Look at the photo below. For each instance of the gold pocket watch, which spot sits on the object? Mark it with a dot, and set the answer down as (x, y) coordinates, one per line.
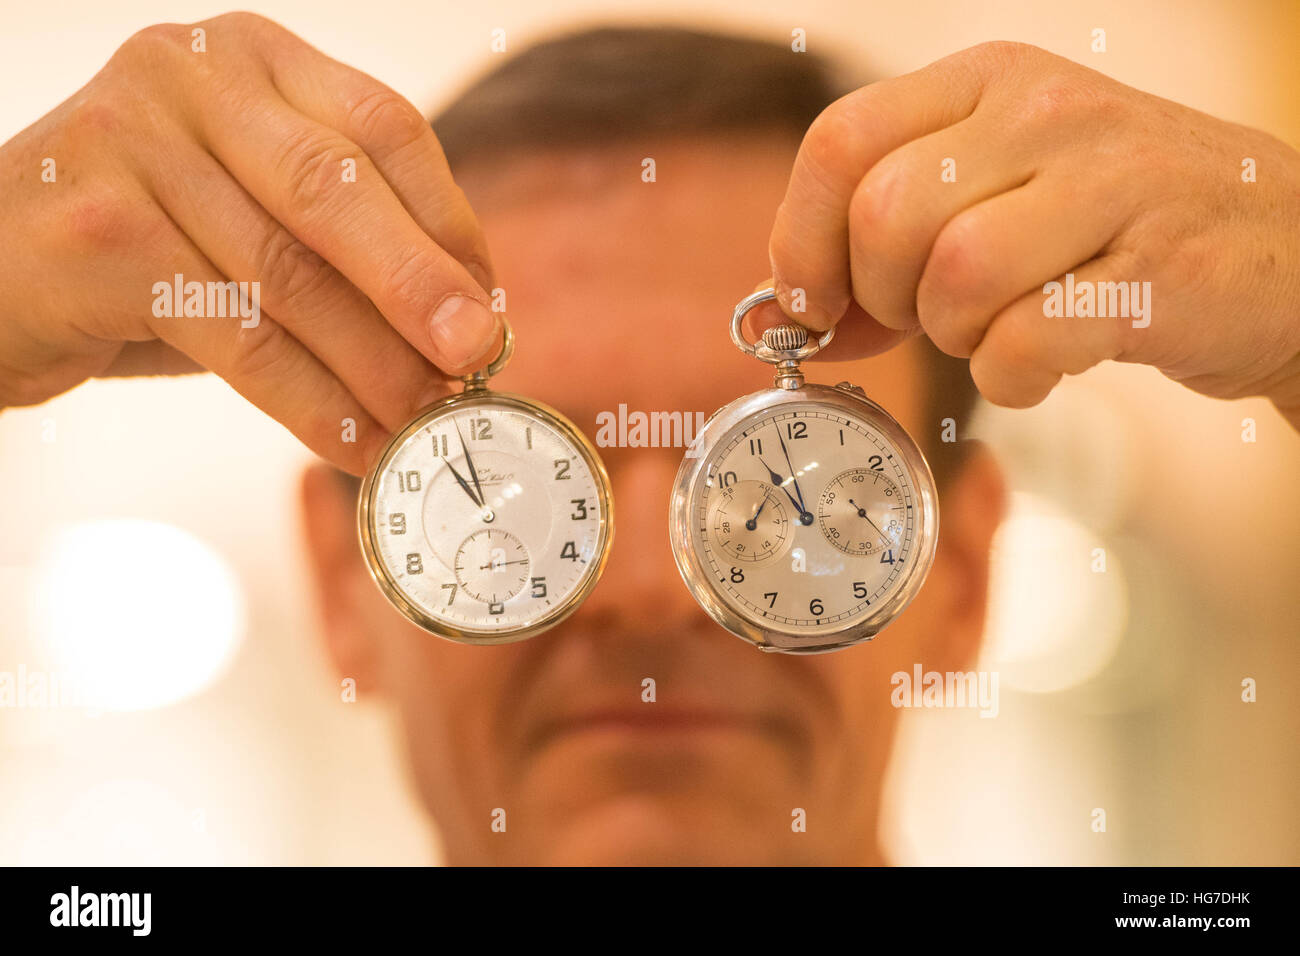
(805, 518)
(489, 517)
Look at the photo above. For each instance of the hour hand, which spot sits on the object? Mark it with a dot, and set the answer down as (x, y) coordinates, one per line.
(460, 480)
(473, 472)
(805, 516)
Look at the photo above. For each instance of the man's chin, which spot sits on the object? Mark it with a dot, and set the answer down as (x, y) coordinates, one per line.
(653, 830)
(652, 799)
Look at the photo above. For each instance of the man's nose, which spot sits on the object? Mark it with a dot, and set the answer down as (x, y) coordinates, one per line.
(641, 579)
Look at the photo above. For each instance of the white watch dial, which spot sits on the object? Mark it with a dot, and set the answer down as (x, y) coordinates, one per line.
(486, 518)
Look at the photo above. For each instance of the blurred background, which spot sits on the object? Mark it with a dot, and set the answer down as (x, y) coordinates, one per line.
(137, 511)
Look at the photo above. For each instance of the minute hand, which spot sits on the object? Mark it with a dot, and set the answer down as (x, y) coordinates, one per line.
(793, 476)
(473, 472)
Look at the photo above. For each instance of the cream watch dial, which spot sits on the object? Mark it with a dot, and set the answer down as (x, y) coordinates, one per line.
(809, 521)
(852, 531)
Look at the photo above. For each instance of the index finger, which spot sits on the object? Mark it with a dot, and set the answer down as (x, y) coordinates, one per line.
(395, 136)
(809, 247)
(297, 169)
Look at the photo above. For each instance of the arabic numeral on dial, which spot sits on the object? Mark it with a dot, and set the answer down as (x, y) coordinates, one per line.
(496, 607)
(408, 481)
(439, 446)
(771, 598)
(452, 596)
(876, 462)
(815, 607)
(414, 564)
(737, 576)
(887, 557)
(796, 430)
(397, 523)
(728, 478)
(539, 587)
(756, 446)
(570, 551)
(562, 469)
(579, 508)
(859, 589)
(480, 429)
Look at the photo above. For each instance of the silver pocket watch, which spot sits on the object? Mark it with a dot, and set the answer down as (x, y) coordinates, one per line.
(805, 518)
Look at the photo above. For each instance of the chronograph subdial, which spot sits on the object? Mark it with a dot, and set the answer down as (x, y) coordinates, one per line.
(491, 566)
(860, 512)
(749, 522)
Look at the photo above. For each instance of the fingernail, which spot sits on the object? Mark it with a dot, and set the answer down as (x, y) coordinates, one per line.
(462, 330)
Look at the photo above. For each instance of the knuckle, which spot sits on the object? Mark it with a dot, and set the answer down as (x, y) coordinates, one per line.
(158, 43)
(958, 271)
(879, 205)
(411, 287)
(831, 146)
(96, 117)
(245, 20)
(260, 352)
(310, 162)
(381, 117)
(1050, 102)
(291, 270)
(1006, 51)
(1063, 97)
(104, 220)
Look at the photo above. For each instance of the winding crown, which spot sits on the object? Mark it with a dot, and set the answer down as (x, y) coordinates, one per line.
(785, 338)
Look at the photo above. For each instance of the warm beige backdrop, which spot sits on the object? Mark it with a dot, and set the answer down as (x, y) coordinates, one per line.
(1119, 691)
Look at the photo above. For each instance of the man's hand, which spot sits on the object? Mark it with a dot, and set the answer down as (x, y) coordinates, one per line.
(254, 159)
(945, 200)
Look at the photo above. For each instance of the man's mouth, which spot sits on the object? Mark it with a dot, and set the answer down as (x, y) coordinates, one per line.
(649, 724)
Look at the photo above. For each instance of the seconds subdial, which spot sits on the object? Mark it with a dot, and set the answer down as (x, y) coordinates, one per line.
(491, 566)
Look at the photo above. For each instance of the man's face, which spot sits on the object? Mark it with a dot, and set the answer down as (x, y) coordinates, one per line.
(620, 291)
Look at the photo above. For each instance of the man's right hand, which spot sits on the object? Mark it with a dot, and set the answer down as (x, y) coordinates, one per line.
(229, 164)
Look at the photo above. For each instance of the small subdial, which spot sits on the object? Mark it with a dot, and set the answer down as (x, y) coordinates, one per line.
(749, 521)
(860, 512)
(491, 566)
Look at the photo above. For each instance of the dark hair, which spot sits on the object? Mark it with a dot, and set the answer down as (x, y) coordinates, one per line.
(611, 84)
